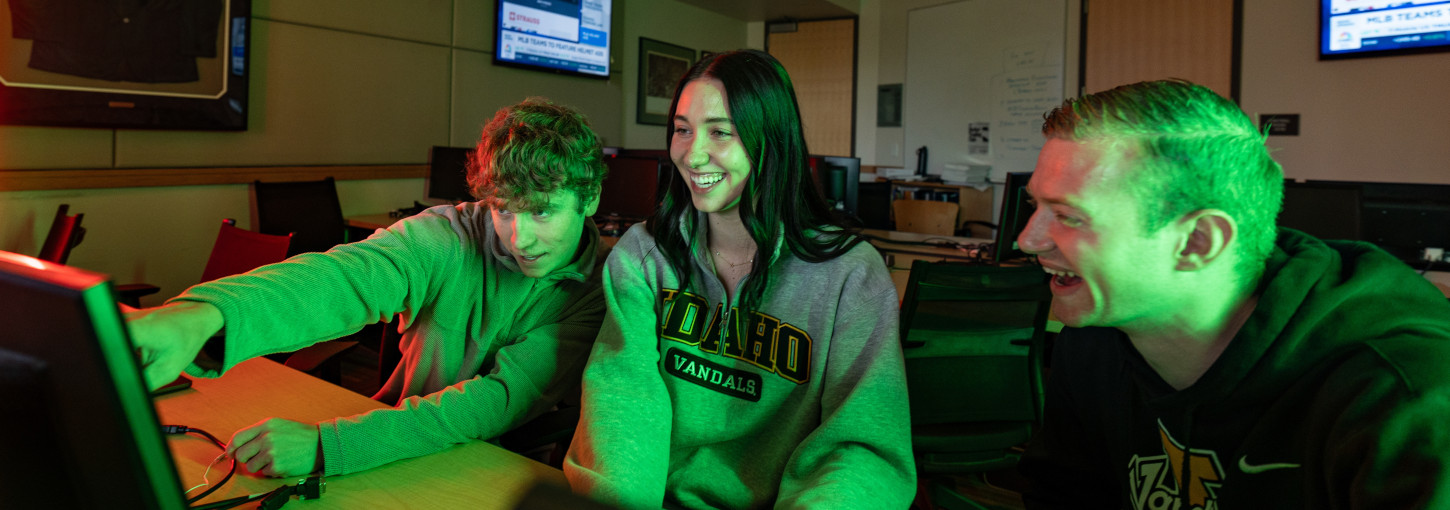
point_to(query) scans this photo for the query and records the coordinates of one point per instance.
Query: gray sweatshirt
(807, 410)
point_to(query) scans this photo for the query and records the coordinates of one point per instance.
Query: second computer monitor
(838, 178)
(1016, 210)
(629, 190)
(448, 174)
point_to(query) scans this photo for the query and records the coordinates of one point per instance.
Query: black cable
(311, 487)
(229, 503)
(183, 429)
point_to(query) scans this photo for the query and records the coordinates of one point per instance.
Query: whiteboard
(997, 63)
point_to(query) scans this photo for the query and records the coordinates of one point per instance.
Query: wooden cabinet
(974, 203)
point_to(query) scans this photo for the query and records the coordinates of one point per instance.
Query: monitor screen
(1366, 28)
(1016, 210)
(630, 187)
(1327, 210)
(89, 437)
(1405, 218)
(838, 179)
(563, 36)
(448, 174)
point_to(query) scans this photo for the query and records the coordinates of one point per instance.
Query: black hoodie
(1334, 394)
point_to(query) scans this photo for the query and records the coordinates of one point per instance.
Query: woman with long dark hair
(749, 354)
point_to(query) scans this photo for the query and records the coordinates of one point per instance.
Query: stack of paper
(965, 173)
(894, 173)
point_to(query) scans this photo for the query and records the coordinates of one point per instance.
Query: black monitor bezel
(114, 449)
(1014, 214)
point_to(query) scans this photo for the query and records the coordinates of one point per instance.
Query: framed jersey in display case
(141, 65)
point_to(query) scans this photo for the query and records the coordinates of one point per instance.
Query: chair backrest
(237, 251)
(309, 210)
(65, 233)
(973, 339)
(925, 216)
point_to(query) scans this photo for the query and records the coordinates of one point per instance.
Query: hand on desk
(168, 338)
(277, 447)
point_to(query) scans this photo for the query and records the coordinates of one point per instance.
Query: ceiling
(776, 10)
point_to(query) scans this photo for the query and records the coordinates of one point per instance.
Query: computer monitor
(631, 187)
(80, 430)
(1016, 210)
(448, 173)
(1323, 209)
(1406, 218)
(838, 179)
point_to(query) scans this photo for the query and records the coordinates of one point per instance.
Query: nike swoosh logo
(1260, 468)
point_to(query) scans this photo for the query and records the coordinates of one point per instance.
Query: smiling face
(1088, 232)
(706, 148)
(546, 239)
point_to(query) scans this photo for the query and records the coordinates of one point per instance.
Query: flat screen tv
(1367, 28)
(563, 36)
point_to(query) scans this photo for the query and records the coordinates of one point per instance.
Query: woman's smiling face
(706, 149)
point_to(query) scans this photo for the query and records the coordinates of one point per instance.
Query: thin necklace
(732, 264)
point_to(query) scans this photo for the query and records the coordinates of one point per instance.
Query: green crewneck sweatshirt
(807, 410)
(485, 348)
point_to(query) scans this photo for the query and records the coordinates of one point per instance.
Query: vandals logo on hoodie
(1156, 481)
(774, 346)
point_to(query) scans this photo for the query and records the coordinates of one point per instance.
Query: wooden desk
(899, 255)
(907, 243)
(371, 221)
(471, 475)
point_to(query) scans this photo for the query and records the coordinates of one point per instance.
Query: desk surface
(373, 221)
(909, 242)
(470, 475)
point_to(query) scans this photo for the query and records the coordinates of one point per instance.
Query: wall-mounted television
(1369, 28)
(563, 36)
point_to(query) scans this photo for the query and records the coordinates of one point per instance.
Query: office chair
(309, 210)
(235, 251)
(973, 338)
(925, 216)
(65, 234)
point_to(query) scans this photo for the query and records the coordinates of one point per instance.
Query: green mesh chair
(973, 338)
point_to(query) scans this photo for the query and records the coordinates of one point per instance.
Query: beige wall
(1371, 119)
(1376, 119)
(333, 82)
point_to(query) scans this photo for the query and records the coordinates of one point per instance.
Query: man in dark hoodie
(1212, 360)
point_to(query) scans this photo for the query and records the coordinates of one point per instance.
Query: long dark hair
(779, 199)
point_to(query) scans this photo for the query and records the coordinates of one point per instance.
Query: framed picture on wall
(166, 65)
(661, 65)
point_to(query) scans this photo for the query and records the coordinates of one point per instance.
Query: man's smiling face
(1088, 232)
